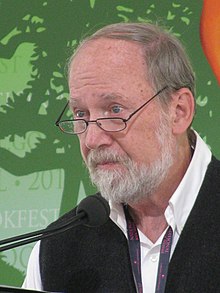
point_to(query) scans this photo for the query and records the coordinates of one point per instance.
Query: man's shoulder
(214, 166)
(215, 160)
(211, 182)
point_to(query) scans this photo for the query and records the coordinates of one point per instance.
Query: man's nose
(96, 137)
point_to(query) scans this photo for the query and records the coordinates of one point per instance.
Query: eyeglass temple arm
(142, 106)
(64, 109)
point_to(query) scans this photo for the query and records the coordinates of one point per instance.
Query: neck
(149, 219)
(148, 214)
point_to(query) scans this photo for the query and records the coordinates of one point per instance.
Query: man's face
(108, 79)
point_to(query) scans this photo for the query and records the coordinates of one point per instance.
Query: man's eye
(116, 109)
(79, 114)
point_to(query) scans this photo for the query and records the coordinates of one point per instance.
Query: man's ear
(183, 109)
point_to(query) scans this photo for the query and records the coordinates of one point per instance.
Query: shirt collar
(183, 199)
(117, 216)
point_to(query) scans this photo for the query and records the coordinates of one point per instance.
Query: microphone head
(96, 210)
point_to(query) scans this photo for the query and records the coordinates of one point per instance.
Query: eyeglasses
(113, 124)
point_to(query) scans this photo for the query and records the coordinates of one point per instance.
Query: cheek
(142, 145)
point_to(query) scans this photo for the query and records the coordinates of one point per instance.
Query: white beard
(131, 182)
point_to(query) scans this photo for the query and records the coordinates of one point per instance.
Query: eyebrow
(113, 97)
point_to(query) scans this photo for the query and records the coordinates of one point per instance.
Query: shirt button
(153, 258)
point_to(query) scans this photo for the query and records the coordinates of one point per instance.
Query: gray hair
(167, 64)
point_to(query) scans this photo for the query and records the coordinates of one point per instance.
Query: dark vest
(97, 259)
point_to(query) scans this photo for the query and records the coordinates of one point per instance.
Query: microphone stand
(16, 241)
(93, 210)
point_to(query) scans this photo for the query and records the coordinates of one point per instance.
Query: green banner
(41, 171)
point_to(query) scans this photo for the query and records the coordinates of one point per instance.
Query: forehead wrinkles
(85, 76)
(108, 65)
(110, 48)
(86, 79)
(108, 53)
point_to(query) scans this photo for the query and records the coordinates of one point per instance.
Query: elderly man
(132, 98)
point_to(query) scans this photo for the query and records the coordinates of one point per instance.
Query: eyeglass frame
(124, 120)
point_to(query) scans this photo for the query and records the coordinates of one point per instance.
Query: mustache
(101, 156)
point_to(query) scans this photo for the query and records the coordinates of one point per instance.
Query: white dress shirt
(176, 214)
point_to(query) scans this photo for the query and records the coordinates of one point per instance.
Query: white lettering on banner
(8, 220)
(46, 180)
(18, 257)
(24, 255)
(31, 218)
(21, 217)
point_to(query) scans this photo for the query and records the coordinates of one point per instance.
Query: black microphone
(96, 210)
(92, 211)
